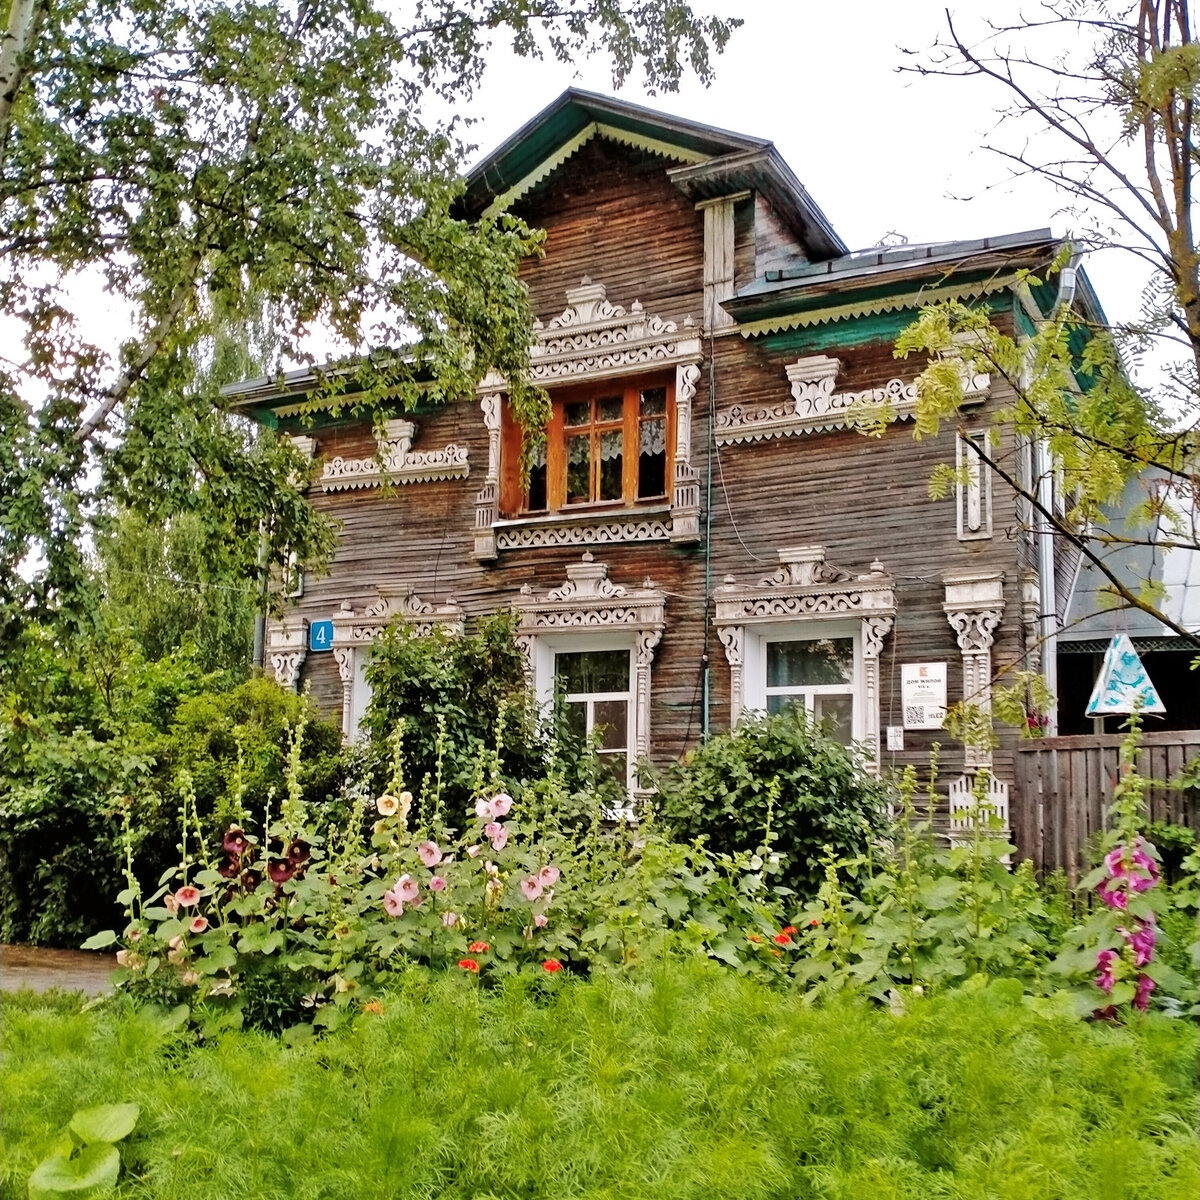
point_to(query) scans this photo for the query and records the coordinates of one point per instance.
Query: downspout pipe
(1044, 473)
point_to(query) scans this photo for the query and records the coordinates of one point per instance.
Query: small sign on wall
(320, 635)
(923, 695)
(895, 737)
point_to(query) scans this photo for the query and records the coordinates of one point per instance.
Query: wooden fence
(1064, 785)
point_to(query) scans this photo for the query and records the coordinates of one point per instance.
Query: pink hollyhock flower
(531, 887)
(500, 805)
(429, 854)
(199, 924)
(1132, 864)
(541, 920)
(472, 851)
(483, 809)
(407, 888)
(549, 876)
(1142, 942)
(449, 919)
(500, 840)
(437, 884)
(491, 829)
(392, 904)
(1114, 897)
(176, 943)
(187, 896)
(1145, 985)
(1105, 961)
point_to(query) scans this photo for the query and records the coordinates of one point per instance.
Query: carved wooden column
(874, 630)
(733, 638)
(647, 640)
(685, 499)
(974, 606)
(490, 389)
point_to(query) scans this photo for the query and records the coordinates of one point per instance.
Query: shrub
(777, 782)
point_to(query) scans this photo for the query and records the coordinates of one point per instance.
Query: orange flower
(789, 929)
(782, 939)
(468, 964)
(753, 937)
(552, 965)
(372, 1006)
(479, 947)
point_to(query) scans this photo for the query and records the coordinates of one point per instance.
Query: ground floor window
(596, 688)
(817, 672)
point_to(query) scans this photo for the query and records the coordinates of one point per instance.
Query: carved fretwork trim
(579, 531)
(396, 462)
(286, 648)
(589, 602)
(816, 407)
(805, 587)
(974, 607)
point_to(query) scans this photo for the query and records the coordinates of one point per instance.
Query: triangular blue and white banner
(1123, 684)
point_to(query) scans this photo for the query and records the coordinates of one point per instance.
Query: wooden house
(707, 531)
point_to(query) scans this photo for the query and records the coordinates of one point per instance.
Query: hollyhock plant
(1106, 961)
(479, 947)
(298, 852)
(407, 888)
(531, 888)
(429, 854)
(549, 876)
(280, 870)
(552, 965)
(500, 805)
(437, 883)
(541, 920)
(1145, 985)
(499, 837)
(198, 925)
(235, 842)
(387, 804)
(449, 919)
(393, 905)
(473, 851)
(187, 896)
(483, 808)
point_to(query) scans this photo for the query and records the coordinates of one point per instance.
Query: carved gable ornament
(815, 406)
(395, 461)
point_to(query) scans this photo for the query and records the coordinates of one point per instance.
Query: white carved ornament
(395, 462)
(570, 532)
(422, 618)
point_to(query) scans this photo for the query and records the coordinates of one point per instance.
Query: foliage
(86, 1161)
(94, 744)
(681, 1082)
(202, 159)
(776, 786)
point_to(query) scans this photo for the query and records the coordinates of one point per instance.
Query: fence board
(1063, 788)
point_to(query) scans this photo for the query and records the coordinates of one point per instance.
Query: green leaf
(92, 1172)
(98, 941)
(105, 1122)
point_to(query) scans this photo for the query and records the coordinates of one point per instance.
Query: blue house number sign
(320, 635)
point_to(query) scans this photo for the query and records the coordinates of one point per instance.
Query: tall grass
(689, 1082)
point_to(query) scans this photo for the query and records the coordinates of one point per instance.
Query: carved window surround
(285, 651)
(973, 487)
(815, 407)
(354, 632)
(589, 611)
(974, 607)
(594, 339)
(395, 462)
(586, 529)
(806, 589)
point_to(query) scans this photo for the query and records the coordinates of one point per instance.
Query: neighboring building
(706, 531)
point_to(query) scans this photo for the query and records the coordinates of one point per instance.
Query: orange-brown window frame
(514, 496)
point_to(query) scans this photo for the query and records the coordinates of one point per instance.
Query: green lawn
(687, 1082)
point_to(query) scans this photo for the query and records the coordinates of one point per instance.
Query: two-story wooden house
(705, 531)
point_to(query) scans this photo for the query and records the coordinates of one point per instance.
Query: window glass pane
(537, 488)
(796, 664)
(837, 715)
(652, 459)
(610, 408)
(776, 704)
(612, 458)
(576, 716)
(577, 413)
(614, 765)
(653, 402)
(590, 671)
(611, 717)
(579, 468)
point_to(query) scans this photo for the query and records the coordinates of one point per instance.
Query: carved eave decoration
(395, 462)
(589, 602)
(806, 588)
(815, 406)
(592, 338)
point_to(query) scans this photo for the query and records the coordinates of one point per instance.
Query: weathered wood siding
(611, 214)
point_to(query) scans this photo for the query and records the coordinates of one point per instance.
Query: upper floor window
(606, 444)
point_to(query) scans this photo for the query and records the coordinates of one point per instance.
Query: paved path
(41, 969)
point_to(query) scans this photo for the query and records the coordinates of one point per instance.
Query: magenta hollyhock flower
(392, 904)
(1142, 940)
(407, 888)
(548, 876)
(1145, 985)
(437, 883)
(1114, 897)
(429, 854)
(541, 920)
(235, 842)
(1105, 960)
(531, 888)
(187, 896)
(199, 924)
(449, 919)
(500, 805)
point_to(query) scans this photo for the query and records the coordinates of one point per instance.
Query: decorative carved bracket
(974, 607)
(816, 407)
(396, 462)
(589, 602)
(805, 587)
(285, 652)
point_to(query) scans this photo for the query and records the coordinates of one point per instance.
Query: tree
(1100, 99)
(192, 155)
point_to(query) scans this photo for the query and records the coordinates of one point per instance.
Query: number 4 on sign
(320, 635)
